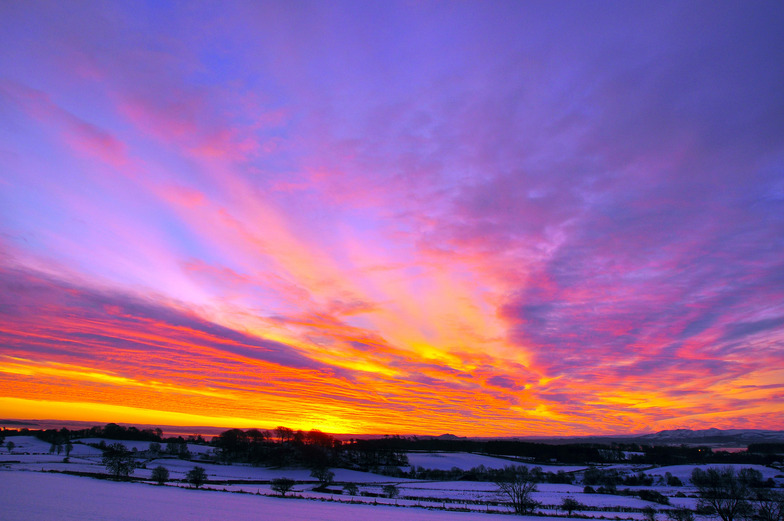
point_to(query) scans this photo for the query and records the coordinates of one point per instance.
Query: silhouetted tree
(391, 491)
(233, 445)
(722, 492)
(197, 476)
(649, 513)
(323, 475)
(282, 485)
(518, 485)
(118, 461)
(283, 434)
(10, 445)
(673, 481)
(351, 489)
(178, 447)
(160, 474)
(569, 505)
(752, 478)
(770, 505)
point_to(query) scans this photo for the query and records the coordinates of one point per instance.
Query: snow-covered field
(33, 487)
(28, 496)
(467, 461)
(449, 460)
(684, 471)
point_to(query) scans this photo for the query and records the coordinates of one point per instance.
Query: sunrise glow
(482, 218)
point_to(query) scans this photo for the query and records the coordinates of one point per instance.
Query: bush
(391, 491)
(654, 496)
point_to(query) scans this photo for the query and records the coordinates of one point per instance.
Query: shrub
(391, 491)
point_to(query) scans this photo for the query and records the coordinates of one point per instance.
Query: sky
(482, 218)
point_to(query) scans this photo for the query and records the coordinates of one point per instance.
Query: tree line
(314, 449)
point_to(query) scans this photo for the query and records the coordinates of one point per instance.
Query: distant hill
(717, 438)
(710, 437)
(740, 437)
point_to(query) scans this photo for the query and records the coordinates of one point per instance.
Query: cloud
(400, 208)
(29, 295)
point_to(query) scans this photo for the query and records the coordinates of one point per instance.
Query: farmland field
(37, 484)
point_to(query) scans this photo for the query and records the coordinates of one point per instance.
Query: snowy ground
(684, 471)
(29, 496)
(467, 461)
(30, 468)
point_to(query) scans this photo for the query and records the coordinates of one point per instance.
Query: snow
(27, 469)
(467, 461)
(216, 472)
(27, 444)
(684, 471)
(449, 460)
(74, 498)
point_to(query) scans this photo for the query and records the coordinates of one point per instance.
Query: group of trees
(61, 439)
(281, 447)
(120, 463)
(482, 473)
(315, 449)
(111, 431)
(608, 479)
(735, 495)
(723, 492)
(197, 476)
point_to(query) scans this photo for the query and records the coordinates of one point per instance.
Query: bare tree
(351, 489)
(323, 475)
(770, 505)
(154, 449)
(160, 474)
(283, 434)
(197, 476)
(391, 491)
(282, 485)
(722, 492)
(118, 461)
(569, 505)
(519, 486)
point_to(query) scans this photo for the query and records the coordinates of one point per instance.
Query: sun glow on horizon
(352, 220)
